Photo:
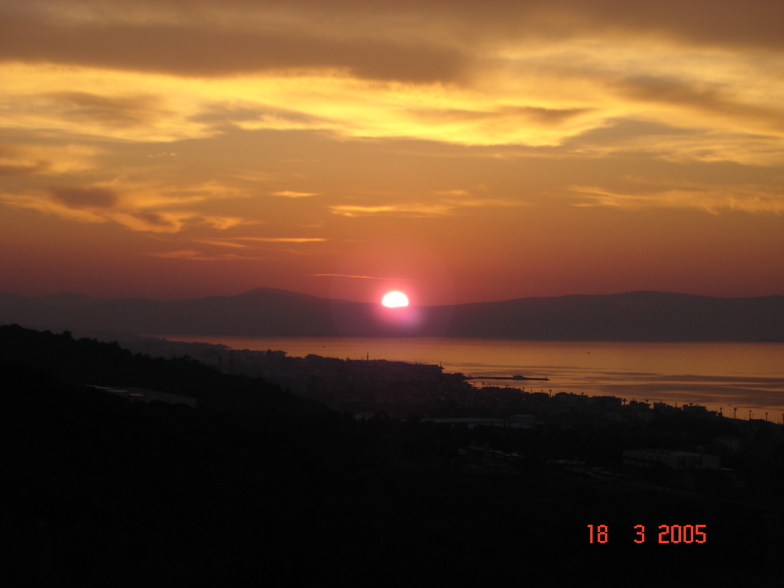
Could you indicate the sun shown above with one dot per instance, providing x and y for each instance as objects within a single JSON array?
[{"x": 394, "y": 299}]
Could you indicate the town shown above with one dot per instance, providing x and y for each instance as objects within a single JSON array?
[{"x": 612, "y": 440}]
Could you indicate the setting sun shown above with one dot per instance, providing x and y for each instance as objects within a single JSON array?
[{"x": 394, "y": 299}]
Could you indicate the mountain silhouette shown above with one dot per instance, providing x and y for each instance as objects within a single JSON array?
[{"x": 632, "y": 316}]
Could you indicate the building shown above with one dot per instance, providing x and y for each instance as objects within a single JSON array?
[{"x": 677, "y": 460}]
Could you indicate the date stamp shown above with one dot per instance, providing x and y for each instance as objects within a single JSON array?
[{"x": 667, "y": 534}]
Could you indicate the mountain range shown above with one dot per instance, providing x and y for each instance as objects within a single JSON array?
[{"x": 633, "y": 316}]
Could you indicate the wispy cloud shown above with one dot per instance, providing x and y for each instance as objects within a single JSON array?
[
  {"x": 290, "y": 194},
  {"x": 416, "y": 209},
  {"x": 85, "y": 197},
  {"x": 143, "y": 210},
  {"x": 221, "y": 243},
  {"x": 111, "y": 111},
  {"x": 45, "y": 160},
  {"x": 224, "y": 222},
  {"x": 360, "y": 277},
  {"x": 192, "y": 255},
  {"x": 232, "y": 242},
  {"x": 706, "y": 100},
  {"x": 282, "y": 239},
  {"x": 712, "y": 200},
  {"x": 399, "y": 209}
]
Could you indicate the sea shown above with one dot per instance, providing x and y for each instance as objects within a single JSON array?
[{"x": 740, "y": 380}]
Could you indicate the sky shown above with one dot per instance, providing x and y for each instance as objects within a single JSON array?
[{"x": 459, "y": 151}]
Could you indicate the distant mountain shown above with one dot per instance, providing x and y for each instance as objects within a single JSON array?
[{"x": 633, "y": 316}]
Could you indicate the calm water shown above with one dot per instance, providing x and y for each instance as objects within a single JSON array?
[{"x": 730, "y": 376}]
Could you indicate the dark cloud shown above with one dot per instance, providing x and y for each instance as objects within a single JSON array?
[
  {"x": 188, "y": 49},
  {"x": 109, "y": 111},
  {"x": 408, "y": 40},
  {"x": 155, "y": 220},
  {"x": 546, "y": 116},
  {"x": 221, "y": 114},
  {"x": 15, "y": 171},
  {"x": 701, "y": 97},
  {"x": 716, "y": 22},
  {"x": 622, "y": 129},
  {"x": 12, "y": 169},
  {"x": 543, "y": 116},
  {"x": 85, "y": 197},
  {"x": 702, "y": 21}
]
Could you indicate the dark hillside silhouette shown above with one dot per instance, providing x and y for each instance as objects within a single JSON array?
[
  {"x": 89, "y": 362},
  {"x": 101, "y": 491}
]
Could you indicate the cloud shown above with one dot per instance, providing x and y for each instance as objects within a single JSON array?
[
  {"x": 527, "y": 114},
  {"x": 13, "y": 165},
  {"x": 499, "y": 123},
  {"x": 282, "y": 239},
  {"x": 359, "y": 277},
  {"x": 289, "y": 194},
  {"x": 112, "y": 111},
  {"x": 719, "y": 22},
  {"x": 185, "y": 47},
  {"x": 23, "y": 170},
  {"x": 454, "y": 193},
  {"x": 138, "y": 209},
  {"x": 39, "y": 99},
  {"x": 180, "y": 254},
  {"x": 714, "y": 22},
  {"x": 85, "y": 197},
  {"x": 232, "y": 241},
  {"x": 712, "y": 200},
  {"x": 193, "y": 255},
  {"x": 517, "y": 93},
  {"x": 621, "y": 137},
  {"x": 248, "y": 115},
  {"x": 155, "y": 222},
  {"x": 222, "y": 243},
  {"x": 45, "y": 204},
  {"x": 27, "y": 160},
  {"x": 224, "y": 222},
  {"x": 417, "y": 209},
  {"x": 531, "y": 79},
  {"x": 169, "y": 222},
  {"x": 706, "y": 99},
  {"x": 395, "y": 209}
]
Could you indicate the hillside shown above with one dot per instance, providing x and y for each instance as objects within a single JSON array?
[{"x": 269, "y": 490}]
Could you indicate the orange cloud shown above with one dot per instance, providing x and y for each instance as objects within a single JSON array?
[
  {"x": 221, "y": 243},
  {"x": 98, "y": 204},
  {"x": 437, "y": 208},
  {"x": 30, "y": 159},
  {"x": 289, "y": 194}
]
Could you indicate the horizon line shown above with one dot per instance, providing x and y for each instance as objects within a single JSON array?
[{"x": 282, "y": 290}]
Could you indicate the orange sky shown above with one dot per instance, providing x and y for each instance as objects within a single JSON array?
[{"x": 456, "y": 150}]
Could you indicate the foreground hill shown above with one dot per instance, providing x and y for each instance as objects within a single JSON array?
[
  {"x": 89, "y": 362},
  {"x": 101, "y": 491},
  {"x": 634, "y": 316}
]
